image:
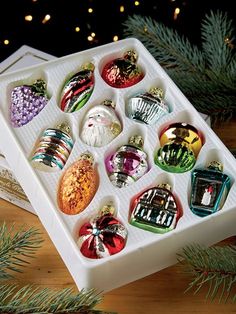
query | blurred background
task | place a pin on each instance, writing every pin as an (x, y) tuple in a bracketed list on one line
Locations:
[(62, 27)]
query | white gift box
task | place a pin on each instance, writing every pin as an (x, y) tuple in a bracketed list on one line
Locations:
[(145, 252)]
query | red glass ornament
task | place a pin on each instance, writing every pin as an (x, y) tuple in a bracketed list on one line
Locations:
[(102, 236), (123, 72)]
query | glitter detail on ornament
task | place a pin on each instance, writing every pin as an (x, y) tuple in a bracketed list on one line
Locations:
[(123, 72), (128, 164), (103, 235), (155, 210), (27, 101), (100, 125), (78, 89), (53, 148), (78, 185), (147, 107), (209, 189), (180, 146)]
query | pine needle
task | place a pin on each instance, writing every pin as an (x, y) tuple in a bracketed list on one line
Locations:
[(16, 247), (207, 74), (214, 266), (29, 299)]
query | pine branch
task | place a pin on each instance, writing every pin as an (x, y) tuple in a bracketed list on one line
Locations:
[(166, 45), (214, 266), (33, 300), (207, 77), (15, 248)]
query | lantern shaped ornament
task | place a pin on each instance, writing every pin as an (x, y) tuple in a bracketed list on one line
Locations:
[(209, 189)]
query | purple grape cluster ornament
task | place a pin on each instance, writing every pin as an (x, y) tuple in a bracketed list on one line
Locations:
[(26, 102)]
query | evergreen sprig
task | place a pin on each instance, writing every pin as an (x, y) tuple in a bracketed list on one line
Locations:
[(44, 301), (16, 247), (214, 266), (206, 76)]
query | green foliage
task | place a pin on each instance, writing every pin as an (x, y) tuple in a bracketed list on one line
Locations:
[(215, 267), (15, 248), (206, 76), (32, 300)]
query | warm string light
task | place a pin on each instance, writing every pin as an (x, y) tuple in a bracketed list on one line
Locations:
[(46, 18), (115, 38), (136, 3), (122, 8), (28, 18), (176, 13), (6, 42), (77, 29), (90, 10)]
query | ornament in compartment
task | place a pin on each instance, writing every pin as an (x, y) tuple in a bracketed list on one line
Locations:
[(53, 148), (100, 125), (128, 163), (103, 235), (78, 185), (78, 89), (209, 189), (27, 101), (155, 210), (180, 145), (123, 72), (147, 107)]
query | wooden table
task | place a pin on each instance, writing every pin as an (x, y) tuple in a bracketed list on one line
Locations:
[(162, 292)]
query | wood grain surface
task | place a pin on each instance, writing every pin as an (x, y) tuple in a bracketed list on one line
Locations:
[(162, 292)]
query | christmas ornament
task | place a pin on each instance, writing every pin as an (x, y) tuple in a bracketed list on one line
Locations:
[(53, 148), (209, 189), (78, 89), (26, 102), (78, 185), (147, 107), (128, 163), (123, 72), (156, 210), (100, 125), (180, 146), (103, 235)]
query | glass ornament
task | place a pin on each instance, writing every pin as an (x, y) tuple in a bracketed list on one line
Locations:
[(123, 72), (147, 107), (155, 209), (209, 189), (103, 235), (78, 185)]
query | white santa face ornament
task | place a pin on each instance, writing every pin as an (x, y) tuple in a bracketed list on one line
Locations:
[(100, 125)]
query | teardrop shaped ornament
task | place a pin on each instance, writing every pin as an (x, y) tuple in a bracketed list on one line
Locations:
[(78, 89), (123, 72), (102, 236), (78, 185)]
